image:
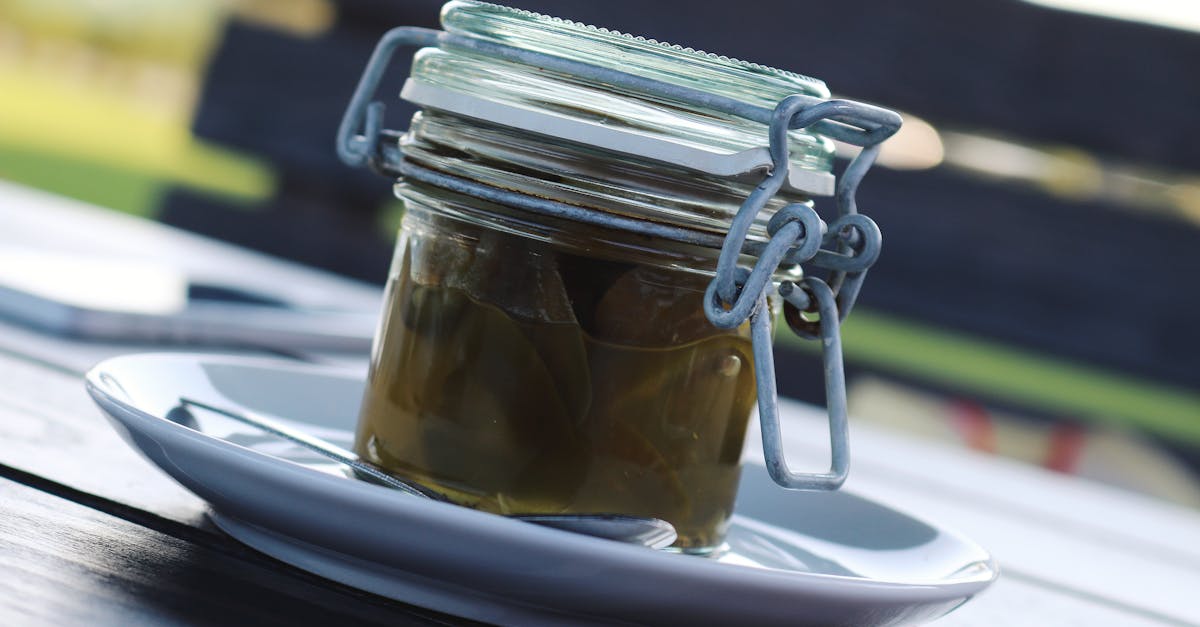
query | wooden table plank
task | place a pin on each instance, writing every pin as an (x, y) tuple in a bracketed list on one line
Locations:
[(31, 218), (66, 564), (49, 427), (75, 356), (1015, 602)]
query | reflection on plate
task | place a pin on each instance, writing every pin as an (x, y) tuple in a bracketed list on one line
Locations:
[(793, 557)]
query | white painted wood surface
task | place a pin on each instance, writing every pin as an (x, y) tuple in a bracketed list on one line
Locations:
[(1062, 542), (1072, 552)]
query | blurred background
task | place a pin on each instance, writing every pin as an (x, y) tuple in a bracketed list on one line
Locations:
[(1037, 295)]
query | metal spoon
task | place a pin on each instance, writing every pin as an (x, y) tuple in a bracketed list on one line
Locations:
[(651, 532)]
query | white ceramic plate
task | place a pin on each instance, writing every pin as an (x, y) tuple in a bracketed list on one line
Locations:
[(795, 558)]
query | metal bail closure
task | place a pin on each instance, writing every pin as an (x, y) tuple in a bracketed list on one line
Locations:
[(737, 294)]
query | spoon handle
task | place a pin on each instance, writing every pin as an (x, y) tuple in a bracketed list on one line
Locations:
[(316, 445), (650, 532)]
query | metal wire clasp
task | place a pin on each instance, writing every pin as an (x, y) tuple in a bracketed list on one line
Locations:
[(797, 237), (845, 248), (361, 128)]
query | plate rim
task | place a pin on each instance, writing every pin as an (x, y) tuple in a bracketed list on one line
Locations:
[(480, 525)]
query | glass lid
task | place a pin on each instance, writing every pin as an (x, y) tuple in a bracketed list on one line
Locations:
[(461, 80)]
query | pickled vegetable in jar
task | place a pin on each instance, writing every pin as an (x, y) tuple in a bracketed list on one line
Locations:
[(533, 364)]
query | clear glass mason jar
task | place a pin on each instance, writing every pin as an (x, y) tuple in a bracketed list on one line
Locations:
[(527, 364)]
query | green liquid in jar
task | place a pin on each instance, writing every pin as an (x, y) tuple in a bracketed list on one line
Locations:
[(621, 398)]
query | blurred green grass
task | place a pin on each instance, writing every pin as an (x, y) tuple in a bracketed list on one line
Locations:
[(129, 191), (96, 102)]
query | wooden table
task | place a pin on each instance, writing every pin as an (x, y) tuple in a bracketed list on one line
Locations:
[(90, 533)]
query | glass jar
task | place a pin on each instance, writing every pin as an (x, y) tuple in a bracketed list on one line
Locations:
[(528, 363)]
